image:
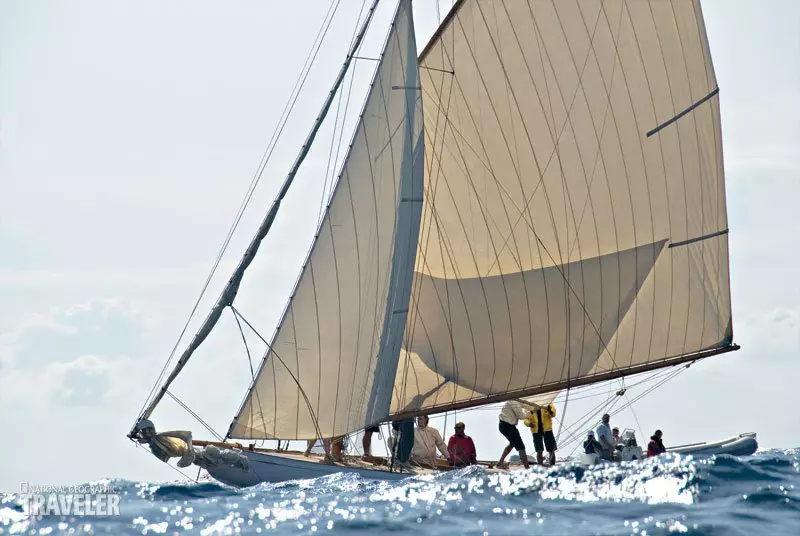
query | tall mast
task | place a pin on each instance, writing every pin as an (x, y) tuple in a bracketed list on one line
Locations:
[(232, 287)]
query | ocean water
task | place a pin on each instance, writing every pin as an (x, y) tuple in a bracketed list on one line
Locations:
[(670, 494)]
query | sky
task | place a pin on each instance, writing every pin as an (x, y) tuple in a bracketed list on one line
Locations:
[(129, 133)]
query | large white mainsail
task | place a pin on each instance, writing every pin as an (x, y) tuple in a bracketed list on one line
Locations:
[(331, 365), (565, 141)]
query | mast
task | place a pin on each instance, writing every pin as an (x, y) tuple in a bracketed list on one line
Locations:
[(232, 287)]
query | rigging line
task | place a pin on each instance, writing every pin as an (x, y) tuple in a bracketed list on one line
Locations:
[(195, 415), (680, 157), (232, 287), (563, 414), (335, 166), (709, 75), (471, 182), (627, 87), (328, 167), (568, 120), (625, 169), (314, 420), (444, 245), (187, 477), (393, 39), (699, 170), (558, 268), (486, 218), (668, 378), (661, 145), (583, 420), (515, 164), (607, 409), (509, 96), (636, 417), (253, 378), (322, 32), (592, 413), (432, 188), (332, 170), (574, 432)]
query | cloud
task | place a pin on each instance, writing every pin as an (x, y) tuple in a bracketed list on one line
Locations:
[(82, 382), (71, 356), (775, 332), (98, 327)]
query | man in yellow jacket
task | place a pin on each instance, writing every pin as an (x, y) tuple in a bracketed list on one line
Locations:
[(540, 422)]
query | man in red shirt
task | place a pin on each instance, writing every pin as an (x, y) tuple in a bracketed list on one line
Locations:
[(461, 448)]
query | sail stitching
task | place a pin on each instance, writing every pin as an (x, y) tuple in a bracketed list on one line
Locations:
[(394, 183), (431, 189), (460, 218), (573, 289), (699, 167), (510, 94), (253, 374), (681, 162), (496, 183), (271, 350), (709, 76)]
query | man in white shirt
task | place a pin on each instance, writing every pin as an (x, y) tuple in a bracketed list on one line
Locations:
[(605, 438), (510, 415), (426, 441)]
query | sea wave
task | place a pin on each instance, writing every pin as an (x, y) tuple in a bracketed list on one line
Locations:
[(670, 493)]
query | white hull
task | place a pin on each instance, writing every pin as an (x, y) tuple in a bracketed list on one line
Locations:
[(280, 468), (741, 445)]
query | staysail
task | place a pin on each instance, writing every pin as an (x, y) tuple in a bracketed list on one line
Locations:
[(331, 365), (574, 220)]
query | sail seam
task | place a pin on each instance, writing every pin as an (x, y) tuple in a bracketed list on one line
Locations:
[(271, 350), (430, 188)]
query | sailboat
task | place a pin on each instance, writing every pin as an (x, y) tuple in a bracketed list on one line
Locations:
[(533, 203)]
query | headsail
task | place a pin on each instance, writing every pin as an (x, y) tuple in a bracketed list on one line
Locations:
[(565, 141), (341, 333)]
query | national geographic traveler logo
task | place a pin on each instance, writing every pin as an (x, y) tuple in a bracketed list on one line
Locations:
[(77, 501)]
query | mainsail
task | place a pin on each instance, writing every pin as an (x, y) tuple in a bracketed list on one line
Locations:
[(331, 365), (571, 226), (566, 141)]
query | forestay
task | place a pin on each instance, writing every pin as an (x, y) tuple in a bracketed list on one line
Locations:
[(341, 333), (574, 218)]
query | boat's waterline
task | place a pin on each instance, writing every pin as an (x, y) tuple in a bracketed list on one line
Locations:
[(741, 445), (283, 467)]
